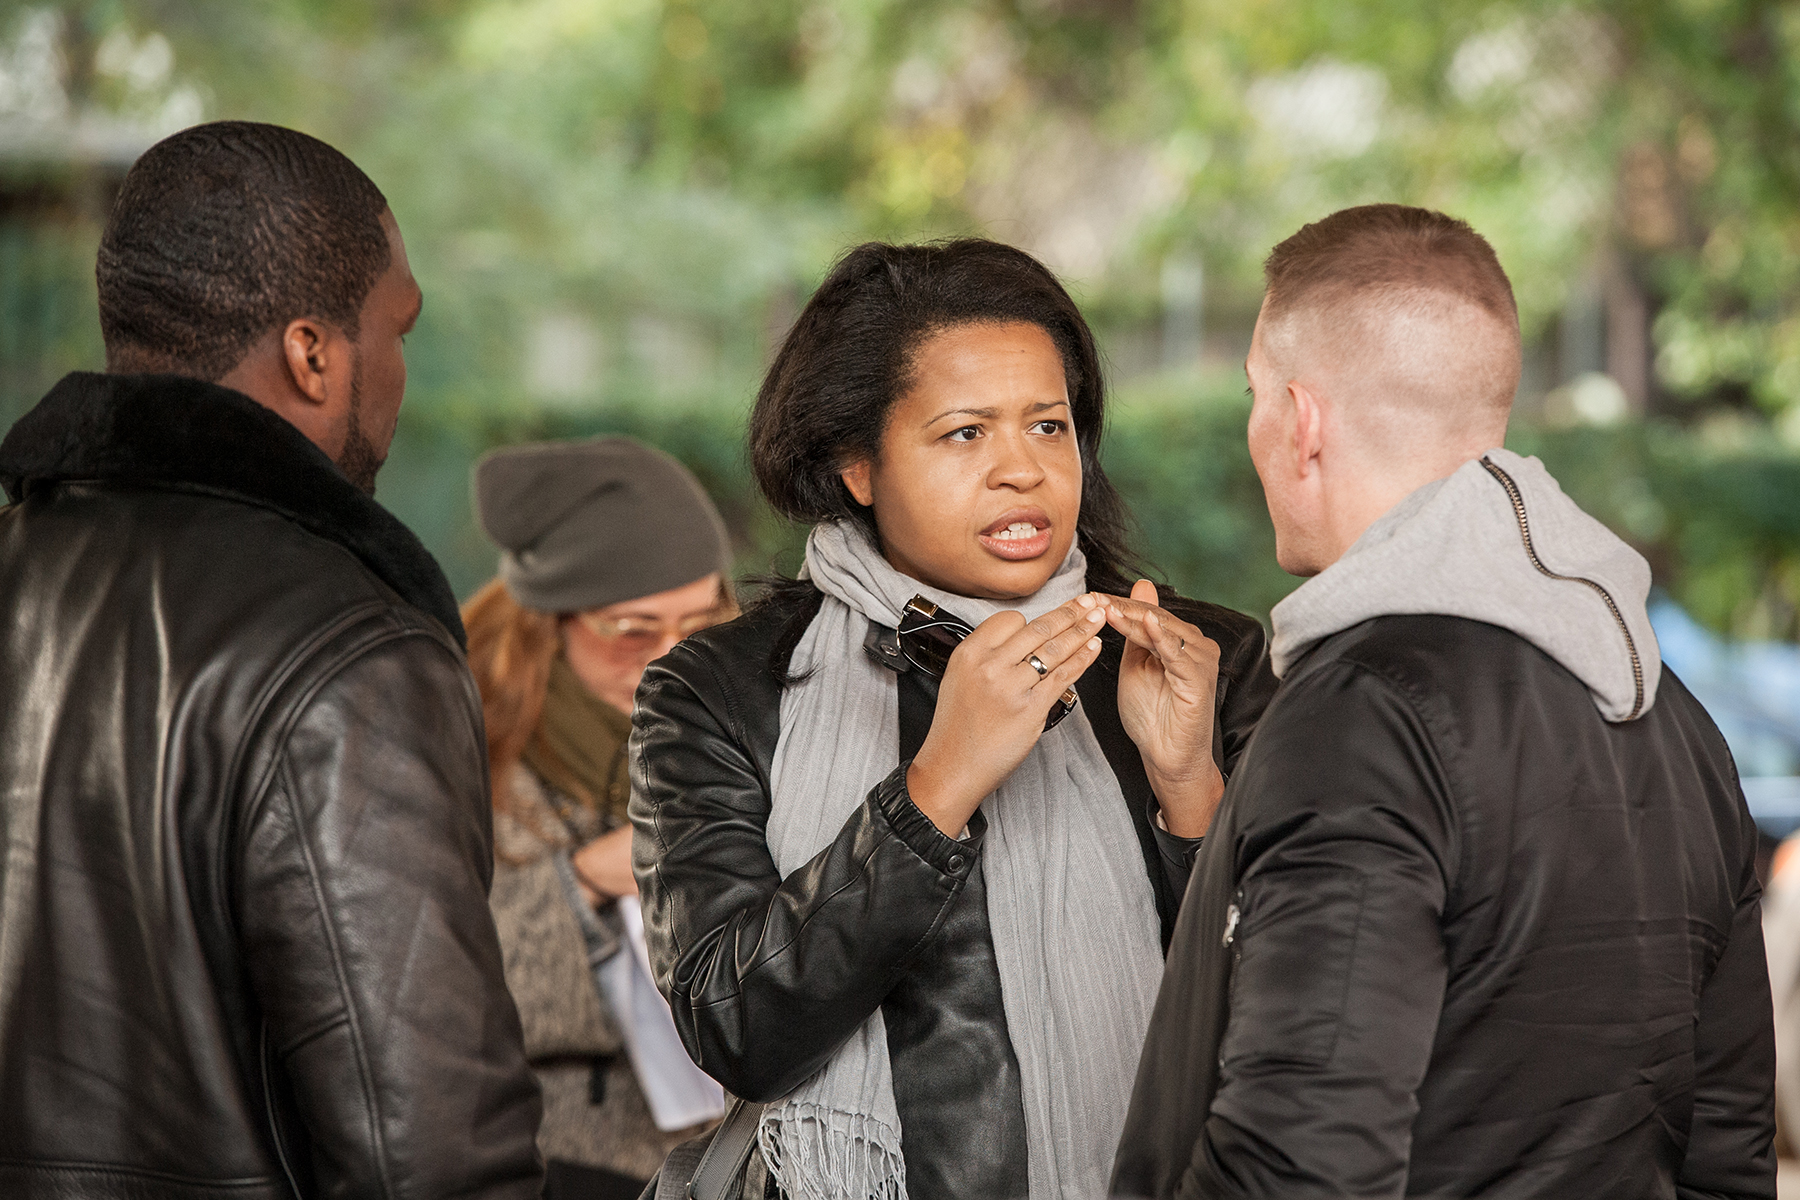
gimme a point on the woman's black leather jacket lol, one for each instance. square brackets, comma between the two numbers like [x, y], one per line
[767, 978]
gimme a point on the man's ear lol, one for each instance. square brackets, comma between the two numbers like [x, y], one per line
[308, 347]
[856, 478]
[1309, 428]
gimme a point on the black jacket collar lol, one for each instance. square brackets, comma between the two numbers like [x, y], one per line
[174, 430]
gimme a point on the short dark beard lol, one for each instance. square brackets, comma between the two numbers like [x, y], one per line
[360, 461]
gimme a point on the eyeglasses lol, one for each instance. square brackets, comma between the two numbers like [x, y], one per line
[647, 633]
[928, 636]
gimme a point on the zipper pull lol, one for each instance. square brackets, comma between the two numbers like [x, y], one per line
[1232, 916]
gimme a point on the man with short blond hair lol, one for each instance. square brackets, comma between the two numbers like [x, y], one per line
[1477, 915]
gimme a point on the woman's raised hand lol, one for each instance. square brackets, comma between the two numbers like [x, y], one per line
[1168, 680]
[992, 705]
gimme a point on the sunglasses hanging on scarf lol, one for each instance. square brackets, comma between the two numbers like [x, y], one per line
[928, 635]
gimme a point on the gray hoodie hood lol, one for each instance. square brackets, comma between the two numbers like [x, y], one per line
[1496, 542]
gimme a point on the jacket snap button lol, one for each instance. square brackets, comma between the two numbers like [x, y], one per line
[955, 863]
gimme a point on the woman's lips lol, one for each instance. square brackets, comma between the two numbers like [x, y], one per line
[1019, 539]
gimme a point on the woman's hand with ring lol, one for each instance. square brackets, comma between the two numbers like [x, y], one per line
[996, 693]
[1168, 682]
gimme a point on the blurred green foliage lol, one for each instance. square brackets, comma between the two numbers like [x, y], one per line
[615, 208]
[676, 173]
[1718, 516]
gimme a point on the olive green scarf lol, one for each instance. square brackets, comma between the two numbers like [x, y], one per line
[579, 747]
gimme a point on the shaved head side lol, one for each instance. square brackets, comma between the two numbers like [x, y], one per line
[1405, 316]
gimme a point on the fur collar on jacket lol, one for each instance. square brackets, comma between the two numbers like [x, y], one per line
[169, 429]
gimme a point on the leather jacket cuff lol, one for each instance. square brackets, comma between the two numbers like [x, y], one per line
[1177, 851]
[950, 856]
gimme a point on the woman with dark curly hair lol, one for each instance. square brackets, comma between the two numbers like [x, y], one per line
[912, 833]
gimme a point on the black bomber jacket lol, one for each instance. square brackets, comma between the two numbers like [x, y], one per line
[767, 978]
[245, 948]
[1453, 934]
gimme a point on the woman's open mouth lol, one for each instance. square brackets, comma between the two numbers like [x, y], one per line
[1019, 535]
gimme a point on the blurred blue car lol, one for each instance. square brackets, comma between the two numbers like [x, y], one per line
[1752, 690]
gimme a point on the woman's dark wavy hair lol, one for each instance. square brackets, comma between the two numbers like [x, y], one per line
[850, 356]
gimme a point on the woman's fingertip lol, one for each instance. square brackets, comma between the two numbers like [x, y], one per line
[1093, 643]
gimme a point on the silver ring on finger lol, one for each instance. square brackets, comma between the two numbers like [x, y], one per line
[1037, 664]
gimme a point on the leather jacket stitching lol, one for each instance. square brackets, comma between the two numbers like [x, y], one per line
[329, 930]
[91, 1168]
[272, 1112]
[301, 658]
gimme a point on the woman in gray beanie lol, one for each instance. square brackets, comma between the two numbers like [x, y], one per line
[610, 553]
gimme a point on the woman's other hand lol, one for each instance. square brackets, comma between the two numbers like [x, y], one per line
[603, 867]
[1168, 680]
[992, 705]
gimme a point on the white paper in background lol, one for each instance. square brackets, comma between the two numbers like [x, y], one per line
[679, 1093]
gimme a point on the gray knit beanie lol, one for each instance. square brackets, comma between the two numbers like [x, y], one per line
[582, 525]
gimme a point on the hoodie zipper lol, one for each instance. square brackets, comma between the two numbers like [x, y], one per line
[1518, 503]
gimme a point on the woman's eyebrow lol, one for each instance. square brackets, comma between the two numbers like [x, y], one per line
[989, 413]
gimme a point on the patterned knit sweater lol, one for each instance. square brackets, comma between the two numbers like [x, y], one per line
[594, 1111]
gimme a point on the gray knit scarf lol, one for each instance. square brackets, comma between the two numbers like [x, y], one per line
[1071, 913]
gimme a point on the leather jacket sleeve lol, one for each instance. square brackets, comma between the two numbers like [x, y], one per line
[362, 900]
[768, 977]
[1731, 1141]
[1339, 964]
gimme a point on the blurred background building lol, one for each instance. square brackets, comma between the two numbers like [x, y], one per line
[616, 207]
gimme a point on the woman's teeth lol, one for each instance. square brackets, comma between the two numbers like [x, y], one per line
[1017, 531]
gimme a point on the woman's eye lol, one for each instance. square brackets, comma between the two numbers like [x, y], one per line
[966, 434]
[1050, 428]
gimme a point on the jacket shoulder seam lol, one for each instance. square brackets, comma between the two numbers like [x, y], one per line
[1408, 694]
[254, 728]
[386, 627]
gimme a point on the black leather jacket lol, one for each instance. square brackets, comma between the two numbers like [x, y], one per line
[245, 948]
[768, 978]
[1472, 941]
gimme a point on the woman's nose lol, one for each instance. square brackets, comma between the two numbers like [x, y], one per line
[1016, 464]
